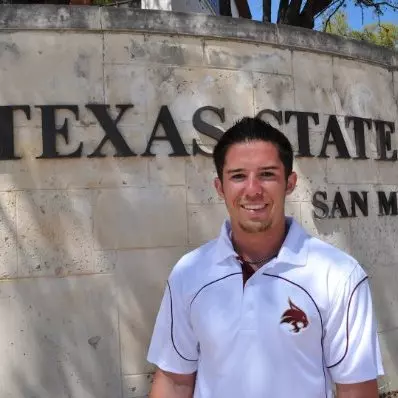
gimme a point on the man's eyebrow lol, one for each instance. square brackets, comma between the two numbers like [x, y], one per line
[270, 168]
[265, 168]
[235, 171]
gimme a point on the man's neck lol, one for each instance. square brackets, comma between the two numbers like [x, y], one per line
[265, 245]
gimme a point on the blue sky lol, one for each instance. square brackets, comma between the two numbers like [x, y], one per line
[354, 14]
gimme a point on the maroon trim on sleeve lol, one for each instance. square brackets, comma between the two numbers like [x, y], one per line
[347, 330]
[172, 325]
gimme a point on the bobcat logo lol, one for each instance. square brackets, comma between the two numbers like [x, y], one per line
[295, 317]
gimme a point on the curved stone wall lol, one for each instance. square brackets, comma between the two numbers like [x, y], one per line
[95, 211]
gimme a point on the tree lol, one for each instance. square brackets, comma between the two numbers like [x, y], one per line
[383, 34]
[304, 12]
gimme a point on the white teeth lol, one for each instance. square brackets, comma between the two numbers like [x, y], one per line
[253, 207]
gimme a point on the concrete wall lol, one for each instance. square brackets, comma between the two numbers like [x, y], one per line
[87, 243]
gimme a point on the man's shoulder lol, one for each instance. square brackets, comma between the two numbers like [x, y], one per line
[332, 259]
[196, 261]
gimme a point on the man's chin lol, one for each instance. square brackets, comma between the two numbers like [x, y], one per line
[253, 227]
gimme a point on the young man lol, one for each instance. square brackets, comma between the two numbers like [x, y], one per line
[265, 310]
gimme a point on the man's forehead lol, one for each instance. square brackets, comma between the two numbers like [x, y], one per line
[260, 154]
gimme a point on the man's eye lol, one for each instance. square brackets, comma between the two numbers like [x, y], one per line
[238, 177]
[267, 174]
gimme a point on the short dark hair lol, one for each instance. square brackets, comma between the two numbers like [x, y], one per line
[253, 129]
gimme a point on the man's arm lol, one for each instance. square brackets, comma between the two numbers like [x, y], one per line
[367, 389]
[173, 385]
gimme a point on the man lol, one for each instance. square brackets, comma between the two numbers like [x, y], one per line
[265, 310]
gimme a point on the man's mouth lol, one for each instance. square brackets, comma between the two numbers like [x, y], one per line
[253, 207]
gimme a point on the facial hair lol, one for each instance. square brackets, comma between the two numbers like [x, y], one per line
[253, 227]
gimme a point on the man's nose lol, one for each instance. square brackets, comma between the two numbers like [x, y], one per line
[253, 187]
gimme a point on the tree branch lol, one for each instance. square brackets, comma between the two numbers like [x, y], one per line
[331, 15]
[283, 6]
[266, 10]
[243, 9]
[372, 4]
[293, 13]
[310, 10]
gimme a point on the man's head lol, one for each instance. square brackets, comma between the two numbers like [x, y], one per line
[254, 166]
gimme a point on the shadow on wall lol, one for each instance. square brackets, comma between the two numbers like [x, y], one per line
[59, 332]
[79, 312]
[371, 240]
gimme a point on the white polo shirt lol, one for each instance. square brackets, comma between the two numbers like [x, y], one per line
[301, 322]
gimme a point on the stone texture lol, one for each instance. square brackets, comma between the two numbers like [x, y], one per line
[313, 86]
[153, 49]
[351, 171]
[385, 298]
[165, 170]
[120, 19]
[274, 92]
[76, 72]
[123, 18]
[178, 88]
[252, 57]
[126, 84]
[137, 386]
[387, 172]
[200, 229]
[141, 279]
[373, 243]
[109, 171]
[8, 235]
[293, 209]
[48, 16]
[363, 90]
[389, 348]
[63, 333]
[105, 261]
[140, 217]
[54, 232]
[311, 178]
[200, 181]
[256, 31]
[334, 231]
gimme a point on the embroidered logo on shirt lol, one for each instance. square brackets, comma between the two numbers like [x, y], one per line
[295, 317]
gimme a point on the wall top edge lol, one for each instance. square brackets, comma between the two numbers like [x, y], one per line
[112, 19]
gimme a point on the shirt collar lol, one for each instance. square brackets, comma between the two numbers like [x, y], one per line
[294, 249]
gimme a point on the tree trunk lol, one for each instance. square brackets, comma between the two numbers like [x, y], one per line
[266, 10]
[225, 8]
[243, 9]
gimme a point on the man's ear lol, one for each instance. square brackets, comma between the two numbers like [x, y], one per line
[218, 186]
[291, 183]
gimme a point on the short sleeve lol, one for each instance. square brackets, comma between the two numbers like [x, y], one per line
[351, 345]
[174, 347]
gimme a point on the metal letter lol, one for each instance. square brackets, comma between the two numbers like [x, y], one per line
[111, 130]
[206, 128]
[384, 140]
[303, 135]
[338, 204]
[7, 150]
[333, 131]
[359, 131]
[172, 134]
[360, 201]
[50, 131]
[388, 206]
[319, 204]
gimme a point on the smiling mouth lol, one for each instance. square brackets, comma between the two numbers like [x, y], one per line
[254, 207]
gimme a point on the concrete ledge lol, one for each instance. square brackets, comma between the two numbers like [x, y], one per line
[32, 17]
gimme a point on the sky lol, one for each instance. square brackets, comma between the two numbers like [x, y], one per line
[354, 14]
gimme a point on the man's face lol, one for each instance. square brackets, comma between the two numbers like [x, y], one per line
[254, 186]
